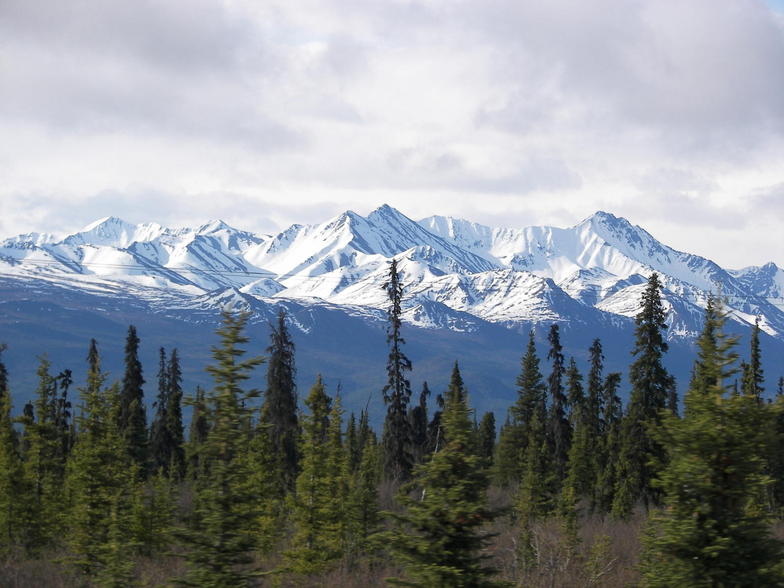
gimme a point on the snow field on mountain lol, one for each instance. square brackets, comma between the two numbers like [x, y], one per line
[451, 269]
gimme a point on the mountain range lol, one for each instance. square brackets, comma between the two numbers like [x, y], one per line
[471, 293]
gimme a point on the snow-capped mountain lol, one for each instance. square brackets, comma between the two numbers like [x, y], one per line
[603, 260]
[470, 291]
[501, 275]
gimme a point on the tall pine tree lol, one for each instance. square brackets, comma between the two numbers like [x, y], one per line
[279, 411]
[642, 455]
[160, 443]
[44, 460]
[174, 424]
[713, 531]
[753, 377]
[398, 458]
[317, 509]
[559, 431]
[16, 512]
[417, 418]
[132, 414]
[227, 502]
[99, 485]
[513, 439]
[439, 538]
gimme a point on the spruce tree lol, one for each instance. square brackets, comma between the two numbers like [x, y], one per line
[559, 430]
[132, 414]
[365, 435]
[16, 512]
[44, 465]
[153, 514]
[486, 442]
[160, 444]
[266, 479]
[398, 459]
[338, 475]
[582, 454]
[352, 443]
[434, 427]
[174, 424]
[713, 531]
[439, 536]
[575, 394]
[753, 377]
[595, 397]
[63, 422]
[642, 455]
[100, 483]
[279, 410]
[220, 543]
[417, 418]
[610, 444]
[166, 447]
[362, 512]
[535, 495]
[197, 433]
[776, 455]
[593, 419]
[318, 533]
[513, 438]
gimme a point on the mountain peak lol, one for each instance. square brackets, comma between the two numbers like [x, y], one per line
[605, 218]
[386, 211]
[213, 226]
[105, 222]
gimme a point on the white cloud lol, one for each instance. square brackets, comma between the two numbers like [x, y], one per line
[504, 111]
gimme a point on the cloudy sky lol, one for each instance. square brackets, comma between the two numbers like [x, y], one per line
[506, 112]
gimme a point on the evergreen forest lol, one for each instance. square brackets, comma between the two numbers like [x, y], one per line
[268, 485]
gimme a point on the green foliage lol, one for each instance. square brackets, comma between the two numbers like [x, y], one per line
[15, 508]
[574, 390]
[160, 443]
[714, 531]
[609, 445]
[166, 447]
[44, 462]
[642, 455]
[535, 496]
[279, 410]
[220, 543]
[753, 376]
[396, 440]
[319, 524]
[174, 426]
[362, 511]
[197, 434]
[132, 416]
[486, 437]
[153, 514]
[513, 438]
[439, 537]
[417, 418]
[775, 453]
[559, 431]
[99, 486]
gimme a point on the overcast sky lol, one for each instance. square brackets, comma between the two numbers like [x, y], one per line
[505, 112]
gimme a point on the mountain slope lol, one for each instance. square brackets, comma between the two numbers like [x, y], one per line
[462, 282]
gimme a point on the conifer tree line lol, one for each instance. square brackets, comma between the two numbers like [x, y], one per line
[265, 489]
